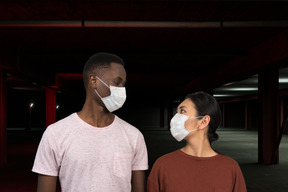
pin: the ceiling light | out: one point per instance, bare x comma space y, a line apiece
222, 95
237, 89
283, 80
243, 89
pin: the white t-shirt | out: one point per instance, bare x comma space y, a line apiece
88, 158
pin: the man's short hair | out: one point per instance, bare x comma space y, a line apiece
97, 62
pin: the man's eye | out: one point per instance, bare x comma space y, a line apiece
116, 83
182, 111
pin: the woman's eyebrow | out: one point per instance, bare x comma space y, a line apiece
181, 107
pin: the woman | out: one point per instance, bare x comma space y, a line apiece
196, 167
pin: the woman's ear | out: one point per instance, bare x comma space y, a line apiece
205, 122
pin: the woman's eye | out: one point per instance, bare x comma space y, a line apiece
182, 111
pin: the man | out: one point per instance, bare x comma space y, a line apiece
94, 150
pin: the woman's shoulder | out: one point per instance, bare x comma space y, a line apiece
167, 158
226, 160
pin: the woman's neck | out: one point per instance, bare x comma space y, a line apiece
199, 147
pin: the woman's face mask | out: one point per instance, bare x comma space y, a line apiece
177, 126
116, 99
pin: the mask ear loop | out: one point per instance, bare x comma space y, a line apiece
102, 81
197, 117
198, 127
95, 88
97, 93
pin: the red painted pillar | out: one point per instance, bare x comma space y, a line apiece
3, 118
50, 106
268, 115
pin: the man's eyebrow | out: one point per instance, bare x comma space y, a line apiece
120, 79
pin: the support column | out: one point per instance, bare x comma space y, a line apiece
223, 116
50, 106
170, 114
284, 111
3, 118
285, 105
248, 116
162, 114
269, 116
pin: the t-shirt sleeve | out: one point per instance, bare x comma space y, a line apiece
157, 179
153, 179
140, 159
239, 182
45, 162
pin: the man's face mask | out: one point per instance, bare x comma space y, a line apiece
116, 99
177, 124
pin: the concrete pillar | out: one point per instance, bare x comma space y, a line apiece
223, 116
50, 106
3, 118
162, 115
248, 116
268, 115
170, 114
284, 111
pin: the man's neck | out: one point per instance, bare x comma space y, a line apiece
96, 115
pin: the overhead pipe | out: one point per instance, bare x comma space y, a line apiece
151, 24
40, 23
142, 24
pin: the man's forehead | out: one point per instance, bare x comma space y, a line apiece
116, 71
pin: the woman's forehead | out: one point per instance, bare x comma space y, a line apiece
187, 103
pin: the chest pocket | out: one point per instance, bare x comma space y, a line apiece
122, 164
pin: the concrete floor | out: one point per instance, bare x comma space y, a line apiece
16, 176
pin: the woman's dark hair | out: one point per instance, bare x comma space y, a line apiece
205, 104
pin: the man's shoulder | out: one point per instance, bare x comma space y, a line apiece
62, 123
125, 124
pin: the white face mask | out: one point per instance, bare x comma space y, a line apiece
116, 99
177, 124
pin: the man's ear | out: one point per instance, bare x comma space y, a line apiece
93, 81
205, 122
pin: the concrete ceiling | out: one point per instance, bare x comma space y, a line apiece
170, 47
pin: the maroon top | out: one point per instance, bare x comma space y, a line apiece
180, 172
